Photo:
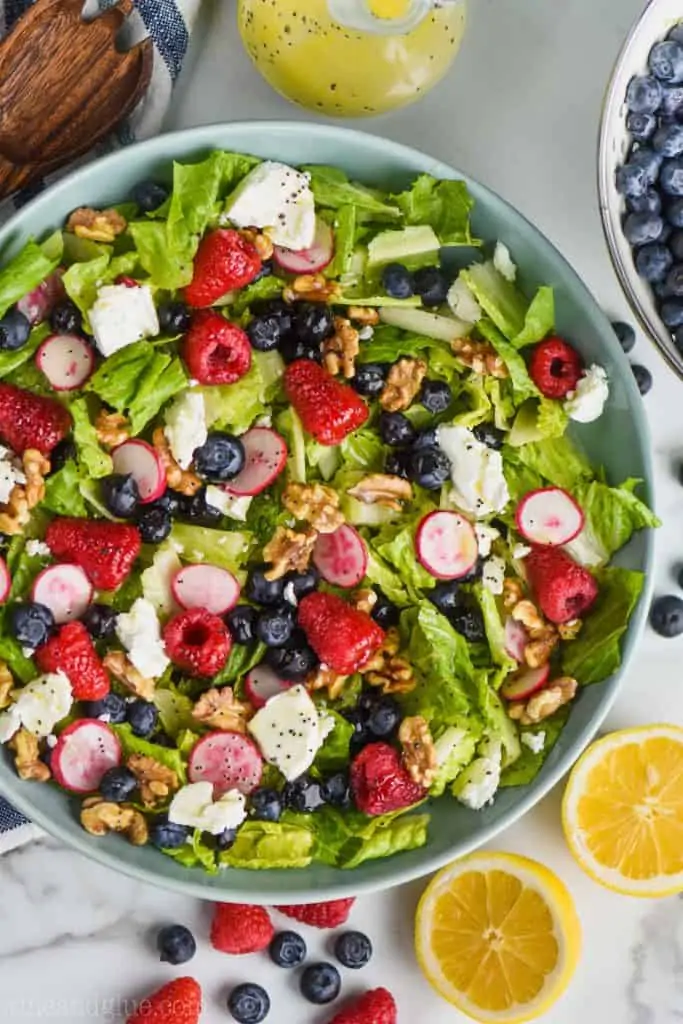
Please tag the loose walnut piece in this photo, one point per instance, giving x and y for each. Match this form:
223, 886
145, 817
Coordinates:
16, 513
96, 225
315, 504
263, 245
327, 679
288, 550
6, 684
156, 782
365, 315
480, 356
27, 757
543, 637
402, 384
544, 703
112, 428
383, 489
570, 630
220, 709
126, 673
340, 350
36, 467
387, 669
419, 752
364, 600
182, 480
512, 593
311, 288
100, 816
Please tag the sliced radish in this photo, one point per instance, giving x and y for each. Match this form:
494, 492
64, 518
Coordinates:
38, 304
446, 545
5, 580
262, 683
265, 457
65, 590
516, 639
67, 360
522, 684
549, 516
308, 261
141, 461
228, 760
85, 750
341, 557
205, 586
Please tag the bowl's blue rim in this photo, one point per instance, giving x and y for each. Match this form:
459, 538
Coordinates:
536, 790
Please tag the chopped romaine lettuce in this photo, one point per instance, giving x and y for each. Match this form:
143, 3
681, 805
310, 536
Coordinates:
539, 319
495, 630
227, 548
443, 205
156, 579
501, 300
270, 844
196, 853
82, 281
332, 190
175, 711
344, 225
62, 492
612, 515
522, 383
17, 662
138, 380
334, 755
168, 756
363, 449
557, 460
265, 288
530, 762
454, 748
347, 839
12, 359
379, 573
497, 724
24, 272
91, 457
397, 549
242, 658
235, 406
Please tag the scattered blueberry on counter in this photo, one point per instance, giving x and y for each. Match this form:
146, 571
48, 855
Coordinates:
176, 944
320, 983
643, 378
287, 949
353, 950
666, 616
249, 1003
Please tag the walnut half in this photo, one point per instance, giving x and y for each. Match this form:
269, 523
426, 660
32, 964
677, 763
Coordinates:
402, 384
327, 679
311, 288
383, 489
220, 709
182, 480
340, 350
480, 356
96, 225
418, 750
287, 549
315, 504
544, 703
27, 757
125, 671
112, 428
100, 816
156, 782
387, 669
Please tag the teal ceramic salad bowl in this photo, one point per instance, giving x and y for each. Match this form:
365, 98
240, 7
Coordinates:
618, 441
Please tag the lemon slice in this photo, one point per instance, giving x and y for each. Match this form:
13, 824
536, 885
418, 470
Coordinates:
622, 811
389, 8
497, 935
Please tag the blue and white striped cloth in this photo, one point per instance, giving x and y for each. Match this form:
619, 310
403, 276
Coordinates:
169, 23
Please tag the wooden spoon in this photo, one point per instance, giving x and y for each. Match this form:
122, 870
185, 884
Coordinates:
63, 87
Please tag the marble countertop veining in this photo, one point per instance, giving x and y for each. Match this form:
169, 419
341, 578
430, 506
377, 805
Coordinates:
520, 112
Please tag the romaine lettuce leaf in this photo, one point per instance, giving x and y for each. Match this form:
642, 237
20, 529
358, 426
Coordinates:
168, 756
24, 272
138, 380
539, 319
347, 839
497, 724
528, 764
264, 515
17, 662
156, 579
455, 748
397, 549
236, 406
390, 343
344, 241
229, 549
363, 449
12, 359
334, 756
265, 288
82, 281
242, 657
332, 189
196, 853
501, 300
444, 205
175, 711
612, 515
495, 630
62, 492
386, 579
558, 461
522, 383
270, 844
91, 457
168, 267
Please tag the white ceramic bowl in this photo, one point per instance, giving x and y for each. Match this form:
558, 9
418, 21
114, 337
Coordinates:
656, 20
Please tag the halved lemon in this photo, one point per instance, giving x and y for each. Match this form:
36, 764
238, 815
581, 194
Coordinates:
622, 811
497, 935
389, 8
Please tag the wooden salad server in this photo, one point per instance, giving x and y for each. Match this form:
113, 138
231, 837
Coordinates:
64, 86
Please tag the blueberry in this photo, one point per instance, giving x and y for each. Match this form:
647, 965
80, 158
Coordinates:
249, 1004
287, 949
31, 624
649, 202
641, 126
168, 502
675, 244
674, 283
469, 622
676, 33
671, 178
446, 596
294, 662
14, 330
353, 950
154, 524
428, 438
666, 616
435, 395
631, 181
312, 323
431, 284
644, 94
176, 944
111, 708
396, 429
672, 101
640, 228
267, 270
120, 495
303, 583
397, 281
174, 317
489, 435
275, 625
653, 261
118, 784
625, 333
668, 140
241, 621
674, 213
671, 311
265, 804
397, 464
384, 612
292, 348
643, 377
650, 161
196, 509
303, 795
66, 318
430, 468
166, 835
143, 718
336, 790
666, 61
61, 454
226, 839
220, 458
149, 195
370, 378
271, 322
383, 716
320, 983
261, 590
678, 339
99, 620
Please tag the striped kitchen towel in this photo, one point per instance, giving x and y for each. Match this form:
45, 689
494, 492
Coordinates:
169, 23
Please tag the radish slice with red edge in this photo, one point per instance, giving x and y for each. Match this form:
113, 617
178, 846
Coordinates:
205, 586
308, 261
85, 750
262, 683
265, 454
341, 557
522, 684
5, 581
67, 360
516, 639
139, 460
228, 760
446, 545
37, 305
549, 516
65, 590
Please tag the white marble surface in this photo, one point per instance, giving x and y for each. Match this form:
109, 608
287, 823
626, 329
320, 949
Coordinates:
520, 112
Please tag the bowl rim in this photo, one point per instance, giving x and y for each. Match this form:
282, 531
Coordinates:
203, 885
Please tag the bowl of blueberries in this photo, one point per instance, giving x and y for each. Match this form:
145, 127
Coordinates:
640, 174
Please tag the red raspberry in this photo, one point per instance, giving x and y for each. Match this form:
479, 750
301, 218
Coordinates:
342, 637
105, 551
177, 1002
31, 421
224, 262
555, 368
564, 589
215, 351
197, 642
129, 282
377, 1006
239, 928
328, 409
379, 782
71, 651
320, 915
